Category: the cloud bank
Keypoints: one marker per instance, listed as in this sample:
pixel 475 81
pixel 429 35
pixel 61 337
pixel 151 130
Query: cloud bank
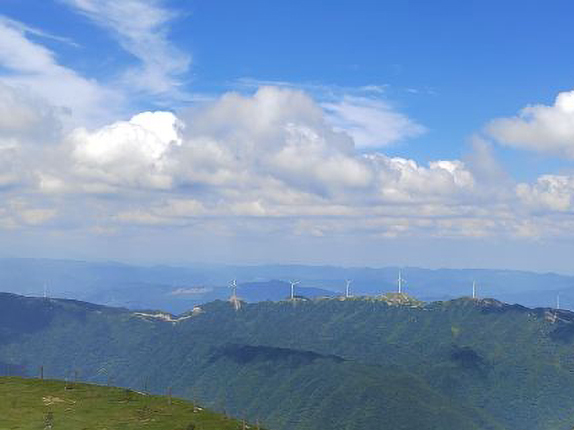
pixel 269 162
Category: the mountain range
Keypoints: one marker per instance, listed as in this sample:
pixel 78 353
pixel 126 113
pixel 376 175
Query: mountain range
pixel 178 289
pixel 390 362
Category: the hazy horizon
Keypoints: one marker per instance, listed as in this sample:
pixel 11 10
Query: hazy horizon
pixel 174 263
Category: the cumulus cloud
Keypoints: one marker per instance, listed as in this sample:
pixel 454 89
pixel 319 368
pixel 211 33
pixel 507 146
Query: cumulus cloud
pixel 271 155
pixel 372 123
pixel 276 134
pixel 539 127
pixel 403 180
pixel 269 162
pixel 128 153
pixel 141 28
pixel 361 112
pixel 281 138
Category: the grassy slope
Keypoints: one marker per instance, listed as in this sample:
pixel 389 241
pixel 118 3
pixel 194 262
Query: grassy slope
pixel 28 403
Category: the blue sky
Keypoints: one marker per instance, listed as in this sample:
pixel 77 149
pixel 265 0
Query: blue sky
pixel 291 131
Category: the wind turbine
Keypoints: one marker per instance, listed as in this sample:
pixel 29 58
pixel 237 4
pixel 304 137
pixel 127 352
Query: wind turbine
pixel 233 299
pixel 293 283
pixel 474 289
pixel 400 282
pixel 348 288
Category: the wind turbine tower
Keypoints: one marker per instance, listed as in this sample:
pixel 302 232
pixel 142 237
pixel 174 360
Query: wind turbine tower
pixel 234 299
pixel 348 288
pixel 558 301
pixel 400 282
pixel 474 289
pixel 293 283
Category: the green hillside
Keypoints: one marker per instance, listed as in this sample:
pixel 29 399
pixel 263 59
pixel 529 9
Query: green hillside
pixel 339 364
pixel 30 404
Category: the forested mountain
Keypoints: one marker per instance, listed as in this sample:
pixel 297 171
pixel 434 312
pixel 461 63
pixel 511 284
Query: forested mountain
pixel 362 363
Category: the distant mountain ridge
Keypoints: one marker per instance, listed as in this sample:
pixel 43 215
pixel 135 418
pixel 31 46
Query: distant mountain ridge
pixel 356 364
pixel 177 289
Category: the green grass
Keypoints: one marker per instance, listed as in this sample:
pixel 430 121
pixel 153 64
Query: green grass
pixel 30 404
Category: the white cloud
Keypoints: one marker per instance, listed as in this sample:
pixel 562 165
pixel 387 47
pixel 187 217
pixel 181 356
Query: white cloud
pixel 484 165
pixel 19 212
pixel 361 112
pixel 540 127
pixel 24 117
pixel 372 123
pixel 269 163
pixel 275 162
pixel 281 137
pixel 128 153
pixel 549 193
pixel 28 125
pixel 11 170
pixel 36 216
pixel 171 212
pixel 34 68
pixel 36 31
pixel 403 180
pixel 141 28
pixel 272 155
